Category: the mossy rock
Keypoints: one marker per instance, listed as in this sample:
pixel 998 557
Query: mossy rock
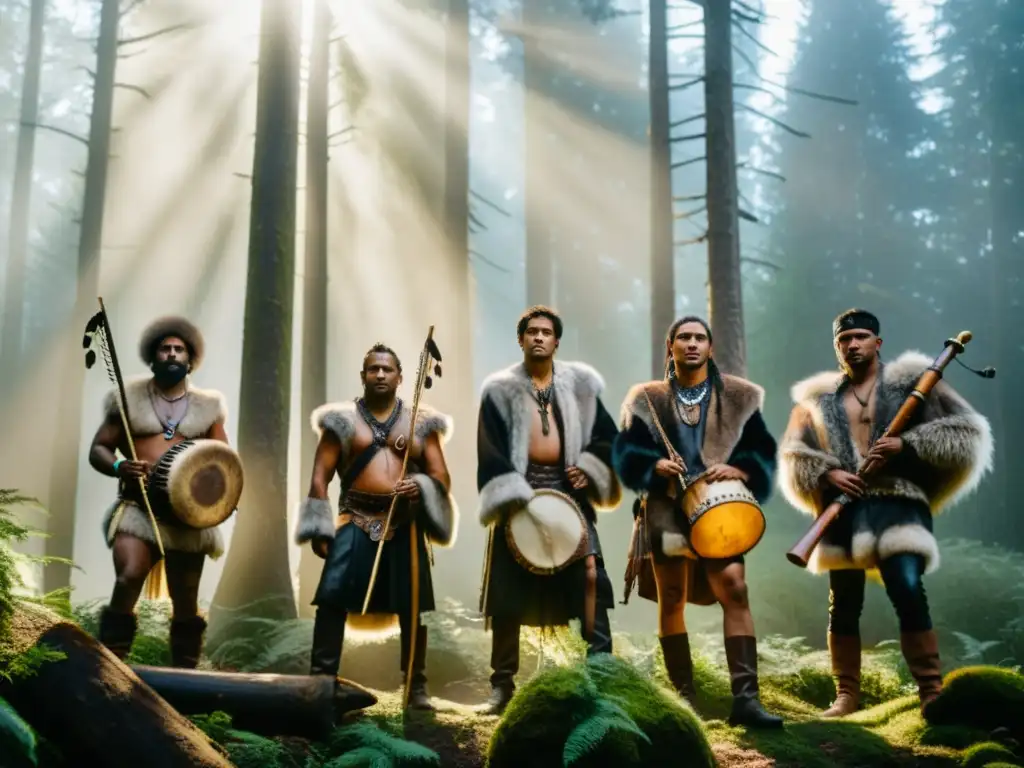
pixel 983 697
pixel 1002 765
pixel 596 714
pixel 985 753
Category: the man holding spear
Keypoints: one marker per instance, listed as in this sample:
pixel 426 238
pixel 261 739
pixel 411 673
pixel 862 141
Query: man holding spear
pixel 394 479
pixel 842 424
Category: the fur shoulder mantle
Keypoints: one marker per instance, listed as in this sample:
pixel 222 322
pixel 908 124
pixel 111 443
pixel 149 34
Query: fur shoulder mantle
pixel 579 379
pixel 901 373
pixel 739 396
pixel 206 407
pixel 341 418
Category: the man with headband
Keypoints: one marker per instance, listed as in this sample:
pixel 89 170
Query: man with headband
pixel 838 423
pixel 164 409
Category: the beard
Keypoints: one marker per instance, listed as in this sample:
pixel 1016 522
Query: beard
pixel 169 372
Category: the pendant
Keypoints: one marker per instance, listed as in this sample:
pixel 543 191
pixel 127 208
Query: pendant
pixel 691 414
pixel 545 427
pixel 172 427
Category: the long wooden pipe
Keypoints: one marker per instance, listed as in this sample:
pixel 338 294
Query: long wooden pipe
pixel 800 554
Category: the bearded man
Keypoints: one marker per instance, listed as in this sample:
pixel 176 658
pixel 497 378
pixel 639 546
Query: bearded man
pixel 364 443
pixel 542 425
pixel 714 423
pixel 837 423
pixel 164 409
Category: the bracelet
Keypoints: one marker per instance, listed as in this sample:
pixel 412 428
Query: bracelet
pixel 117 464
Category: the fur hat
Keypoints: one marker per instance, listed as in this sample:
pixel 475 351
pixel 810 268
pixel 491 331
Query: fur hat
pixel 161 328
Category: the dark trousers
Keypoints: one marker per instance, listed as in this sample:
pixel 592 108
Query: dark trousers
pixel 329 635
pixel 505 646
pixel 901 575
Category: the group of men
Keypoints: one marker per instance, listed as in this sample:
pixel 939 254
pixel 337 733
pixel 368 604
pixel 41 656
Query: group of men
pixel 542 425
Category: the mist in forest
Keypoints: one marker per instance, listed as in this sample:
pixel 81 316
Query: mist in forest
pixel 878 165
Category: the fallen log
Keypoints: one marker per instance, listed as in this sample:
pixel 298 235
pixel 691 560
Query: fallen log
pixel 308 706
pixel 92 706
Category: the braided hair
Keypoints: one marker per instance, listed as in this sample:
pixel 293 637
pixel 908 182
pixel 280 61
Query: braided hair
pixel 713 373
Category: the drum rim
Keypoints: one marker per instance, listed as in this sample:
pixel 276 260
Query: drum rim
pixel 573 558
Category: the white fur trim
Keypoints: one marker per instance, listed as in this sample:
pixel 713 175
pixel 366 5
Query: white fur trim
pixel 206 407
pixel 605 491
pixel 501 494
pixel 440 509
pixel 903 539
pixel 800 469
pixel 315 519
pixel 867 550
pixel 675 544
pixel 135 522
pixel 577 389
pixel 340 419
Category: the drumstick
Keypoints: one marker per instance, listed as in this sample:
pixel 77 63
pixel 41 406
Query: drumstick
pixel 672 454
pixel 487 575
pixel 415 610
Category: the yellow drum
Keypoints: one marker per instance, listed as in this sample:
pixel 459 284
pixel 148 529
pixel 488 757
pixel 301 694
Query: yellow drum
pixel 725 518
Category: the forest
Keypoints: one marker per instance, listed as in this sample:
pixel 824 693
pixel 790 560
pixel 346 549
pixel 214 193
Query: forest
pixel 302 179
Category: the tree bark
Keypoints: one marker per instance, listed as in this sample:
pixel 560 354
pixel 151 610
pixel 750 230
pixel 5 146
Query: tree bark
pixel 662 279
pixel 21 199
pixel 95 708
pixel 314 304
pixel 64 482
pixel 270 705
pixel 725 291
pixel 536 156
pixel 257 576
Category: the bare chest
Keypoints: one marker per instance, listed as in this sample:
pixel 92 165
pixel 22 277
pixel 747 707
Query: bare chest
pixel 860 415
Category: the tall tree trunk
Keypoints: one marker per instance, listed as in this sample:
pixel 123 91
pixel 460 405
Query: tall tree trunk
pixel 21 198
pixel 725 293
pixel 314 304
pixel 536 155
pixel 456 169
pixel 662 277
pixel 257 568
pixel 64 482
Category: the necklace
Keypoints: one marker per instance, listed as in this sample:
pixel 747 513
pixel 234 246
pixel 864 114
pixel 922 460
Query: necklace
pixel 865 417
pixel 380 430
pixel 169 411
pixel 689 400
pixel 543 398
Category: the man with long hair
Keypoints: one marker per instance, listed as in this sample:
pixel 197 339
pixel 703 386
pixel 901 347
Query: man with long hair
pixel 364 442
pixel 714 423
pixel 542 425
pixel 838 422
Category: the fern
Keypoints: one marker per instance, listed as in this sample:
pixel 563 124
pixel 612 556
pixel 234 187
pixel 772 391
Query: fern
pixel 17 739
pixel 588 735
pixel 364 757
pixel 365 736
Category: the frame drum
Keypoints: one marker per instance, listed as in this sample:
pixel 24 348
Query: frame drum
pixel 196 483
pixel 725 518
pixel 548 534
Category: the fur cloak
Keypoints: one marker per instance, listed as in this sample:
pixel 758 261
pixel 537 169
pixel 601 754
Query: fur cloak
pixel 206 407
pixel 316 516
pixel 507 406
pixel 947 449
pixel 738 437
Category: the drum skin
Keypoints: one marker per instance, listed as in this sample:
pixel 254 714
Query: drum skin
pixel 198 483
pixel 548 534
pixel 725 518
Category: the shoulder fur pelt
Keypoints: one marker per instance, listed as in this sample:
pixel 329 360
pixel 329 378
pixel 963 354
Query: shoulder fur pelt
pixel 740 400
pixel 205 408
pixel 577 389
pixel 952 441
pixel 341 418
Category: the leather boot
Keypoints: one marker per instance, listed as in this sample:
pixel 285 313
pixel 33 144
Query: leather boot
pixel 921 650
pixel 418 696
pixel 328 638
pixel 505 663
pixel 187 641
pixel 117 631
pixel 679 665
pixel 844 651
pixel 741 655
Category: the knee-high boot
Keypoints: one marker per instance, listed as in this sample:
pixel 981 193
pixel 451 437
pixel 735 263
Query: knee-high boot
pixel 921 651
pixel 117 631
pixel 844 651
pixel 679 665
pixel 741 655
pixel 187 641
pixel 328 638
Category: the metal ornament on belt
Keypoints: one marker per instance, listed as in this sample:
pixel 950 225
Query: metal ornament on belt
pixel 376 530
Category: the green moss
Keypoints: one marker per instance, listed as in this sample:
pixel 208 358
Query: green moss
pixel 986 752
pixel 983 697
